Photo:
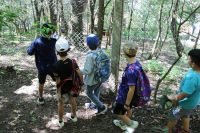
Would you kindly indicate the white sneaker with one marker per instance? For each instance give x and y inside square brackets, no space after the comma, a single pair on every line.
[56,122]
[120,124]
[40,101]
[131,128]
[61,124]
[70,119]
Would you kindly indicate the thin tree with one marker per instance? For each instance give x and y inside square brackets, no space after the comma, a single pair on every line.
[116,39]
[175,29]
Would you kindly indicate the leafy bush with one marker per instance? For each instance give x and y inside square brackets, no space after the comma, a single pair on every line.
[153,66]
[166,91]
[174,74]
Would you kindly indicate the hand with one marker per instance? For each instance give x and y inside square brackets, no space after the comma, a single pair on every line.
[174,101]
[127,107]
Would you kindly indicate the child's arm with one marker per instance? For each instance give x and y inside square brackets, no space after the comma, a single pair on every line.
[88,66]
[129,96]
[80,75]
[31,49]
[178,98]
[181,96]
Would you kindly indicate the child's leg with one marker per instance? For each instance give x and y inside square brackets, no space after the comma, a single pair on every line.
[171,124]
[60,109]
[186,124]
[129,113]
[41,89]
[125,119]
[92,96]
[73,106]
[97,90]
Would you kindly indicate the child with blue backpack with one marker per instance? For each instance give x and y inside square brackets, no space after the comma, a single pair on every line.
[89,70]
[128,90]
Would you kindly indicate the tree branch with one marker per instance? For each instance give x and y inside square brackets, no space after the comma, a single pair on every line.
[194,11]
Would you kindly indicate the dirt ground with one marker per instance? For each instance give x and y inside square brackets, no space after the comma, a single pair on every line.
[19,112]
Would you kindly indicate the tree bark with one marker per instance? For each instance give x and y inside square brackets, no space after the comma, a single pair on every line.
[53,15]
[116,40]
[92,18]
[100,20]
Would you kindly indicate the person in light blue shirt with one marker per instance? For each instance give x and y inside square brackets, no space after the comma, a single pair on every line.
[188,96]
[93,86]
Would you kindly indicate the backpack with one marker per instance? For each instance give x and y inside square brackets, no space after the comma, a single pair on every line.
[143,89]
[102,66]
[76,80]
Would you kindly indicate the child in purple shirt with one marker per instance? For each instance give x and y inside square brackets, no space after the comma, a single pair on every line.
[127,89]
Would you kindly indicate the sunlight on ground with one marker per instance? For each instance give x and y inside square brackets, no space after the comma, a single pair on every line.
[81,114]
[29,90]
[37,130]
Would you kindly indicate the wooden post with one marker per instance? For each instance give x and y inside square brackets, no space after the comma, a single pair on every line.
[116,39]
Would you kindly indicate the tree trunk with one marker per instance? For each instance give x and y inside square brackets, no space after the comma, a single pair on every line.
[78,8]
[100,20]
[64,24]
[92,18]
[130,21]
[116,40]
[53,15]
[159,37]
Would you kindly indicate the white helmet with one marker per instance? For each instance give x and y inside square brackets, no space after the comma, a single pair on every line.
[62,45]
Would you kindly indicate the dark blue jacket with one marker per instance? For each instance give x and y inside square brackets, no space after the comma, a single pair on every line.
[44,51]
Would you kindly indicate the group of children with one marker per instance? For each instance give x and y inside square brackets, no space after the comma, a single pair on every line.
[188,96]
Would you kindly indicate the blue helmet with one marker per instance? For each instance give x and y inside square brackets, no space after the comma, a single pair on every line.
[92,41]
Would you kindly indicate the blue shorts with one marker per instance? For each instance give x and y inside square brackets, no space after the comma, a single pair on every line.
[177,112]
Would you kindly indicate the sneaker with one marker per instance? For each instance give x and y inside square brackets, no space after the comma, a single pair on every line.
[40,101]
[120,124]
[92,106]
[102,110]
[61,124]
[70,118]
[131,128]
[58,123]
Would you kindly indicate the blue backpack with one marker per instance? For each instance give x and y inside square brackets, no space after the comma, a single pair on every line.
[102,66]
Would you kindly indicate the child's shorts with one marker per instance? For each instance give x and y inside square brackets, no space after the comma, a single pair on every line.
[177,112]
[42,76]
[119,109]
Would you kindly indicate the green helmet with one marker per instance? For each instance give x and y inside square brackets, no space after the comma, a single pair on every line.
[47,29]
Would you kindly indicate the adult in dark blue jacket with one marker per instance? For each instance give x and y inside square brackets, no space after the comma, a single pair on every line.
[45,56]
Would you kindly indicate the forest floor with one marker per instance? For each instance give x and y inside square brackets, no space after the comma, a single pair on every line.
[19,112]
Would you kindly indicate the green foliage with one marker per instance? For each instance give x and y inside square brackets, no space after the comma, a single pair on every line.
[7,16]
[166,91]
[174,74]
[154,66]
